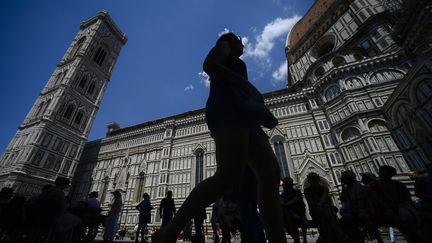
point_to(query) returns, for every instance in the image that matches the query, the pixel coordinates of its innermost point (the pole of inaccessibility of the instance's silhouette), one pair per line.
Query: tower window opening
(69, 110)
(199, 173)
(78, 118)
(91, 89)
(100, 56)
(83, 82)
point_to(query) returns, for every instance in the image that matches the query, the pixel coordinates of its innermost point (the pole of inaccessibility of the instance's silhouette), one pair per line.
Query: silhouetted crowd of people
(47, 217)
(365, 206)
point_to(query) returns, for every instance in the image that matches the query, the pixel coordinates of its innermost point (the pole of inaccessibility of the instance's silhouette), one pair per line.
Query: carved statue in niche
(108, 169)
(143, 166)
(122, 178)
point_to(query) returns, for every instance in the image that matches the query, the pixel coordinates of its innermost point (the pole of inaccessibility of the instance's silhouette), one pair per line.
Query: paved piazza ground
(237, 240)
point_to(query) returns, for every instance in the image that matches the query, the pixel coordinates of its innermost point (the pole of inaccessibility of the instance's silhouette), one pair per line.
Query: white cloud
(280, 74)
(266, 39)
(189, 87)
(204, 79)
(226, 30)
(245, 40)
(260, 45)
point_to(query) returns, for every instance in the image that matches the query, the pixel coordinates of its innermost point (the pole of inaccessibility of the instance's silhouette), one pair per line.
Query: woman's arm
(213, 64)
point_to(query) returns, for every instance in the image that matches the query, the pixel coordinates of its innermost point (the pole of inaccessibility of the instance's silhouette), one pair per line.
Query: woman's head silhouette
(235, 42)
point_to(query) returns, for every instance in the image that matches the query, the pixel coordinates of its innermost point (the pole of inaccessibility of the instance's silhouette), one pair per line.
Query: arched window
(140, 191)
(353, 83)
(69, 111)
(91, 88)
(99, 56)
(199, 169)
(385, 75)
(350, 133)
(281, 157)
(319, 72)
(38, 158)
(83, 82)
(358, 56)
(58, 164)
(323, 46)
(332, 92)
(66, 167)
(49, 163)
(338, 61)
(78, 118)
(377, 126)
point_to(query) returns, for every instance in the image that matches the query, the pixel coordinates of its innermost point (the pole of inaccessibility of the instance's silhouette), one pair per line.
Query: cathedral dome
(308, 21)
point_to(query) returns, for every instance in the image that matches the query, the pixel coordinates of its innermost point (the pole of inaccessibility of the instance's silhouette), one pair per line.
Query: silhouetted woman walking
(234, 112)
(113, 217)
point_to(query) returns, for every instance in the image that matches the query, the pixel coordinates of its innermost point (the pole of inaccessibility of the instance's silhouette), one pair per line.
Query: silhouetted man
(294, 209)
(93, 215)
(144, 208)
(167, 209)
(52, 210)
(362, 206)
(322, 211)
(398, 205)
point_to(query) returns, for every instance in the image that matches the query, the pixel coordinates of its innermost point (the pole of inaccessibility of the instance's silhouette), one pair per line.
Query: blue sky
(159, 71)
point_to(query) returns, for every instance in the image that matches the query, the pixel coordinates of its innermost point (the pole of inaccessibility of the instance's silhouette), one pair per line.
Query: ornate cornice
(364, 65)
(106, 18)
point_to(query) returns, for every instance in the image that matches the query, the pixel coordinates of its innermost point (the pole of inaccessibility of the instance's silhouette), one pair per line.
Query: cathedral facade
(50, 140)
(358, 96)
(345, 67)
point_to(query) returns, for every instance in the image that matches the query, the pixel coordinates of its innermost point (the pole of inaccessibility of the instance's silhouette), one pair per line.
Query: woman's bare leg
(265, 166)
(231, 153)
